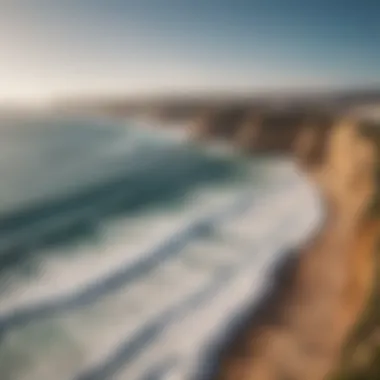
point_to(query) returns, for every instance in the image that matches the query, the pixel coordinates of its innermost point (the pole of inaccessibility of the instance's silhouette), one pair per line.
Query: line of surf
(124, 275)
(235, 299)
(148, 333)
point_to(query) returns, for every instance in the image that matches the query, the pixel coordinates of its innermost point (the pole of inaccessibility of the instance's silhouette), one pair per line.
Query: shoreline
(272, 341)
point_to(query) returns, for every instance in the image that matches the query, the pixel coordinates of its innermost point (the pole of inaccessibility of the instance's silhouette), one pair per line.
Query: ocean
(126, 251)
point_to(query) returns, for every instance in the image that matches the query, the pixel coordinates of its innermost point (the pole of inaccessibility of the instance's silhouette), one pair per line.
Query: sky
(53, 48)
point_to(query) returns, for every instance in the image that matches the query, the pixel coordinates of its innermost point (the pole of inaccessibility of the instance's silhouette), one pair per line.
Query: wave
(155, 285)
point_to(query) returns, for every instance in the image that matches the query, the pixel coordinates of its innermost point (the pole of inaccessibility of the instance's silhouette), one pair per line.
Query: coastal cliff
(299, 330)
(302, 134)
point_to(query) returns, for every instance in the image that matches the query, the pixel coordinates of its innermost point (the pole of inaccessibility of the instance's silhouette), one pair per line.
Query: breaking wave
(129, 252)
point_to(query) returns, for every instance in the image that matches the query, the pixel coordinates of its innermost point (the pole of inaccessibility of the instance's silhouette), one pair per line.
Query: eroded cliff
(299, 330)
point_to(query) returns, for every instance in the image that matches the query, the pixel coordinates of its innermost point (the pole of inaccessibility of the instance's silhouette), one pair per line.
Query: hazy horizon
(53, 49)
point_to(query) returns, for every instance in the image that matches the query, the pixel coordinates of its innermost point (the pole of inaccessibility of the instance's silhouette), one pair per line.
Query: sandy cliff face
(347, 175)
(299, 332)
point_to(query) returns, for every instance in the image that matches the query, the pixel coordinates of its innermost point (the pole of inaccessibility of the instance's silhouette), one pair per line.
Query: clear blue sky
(58, 47)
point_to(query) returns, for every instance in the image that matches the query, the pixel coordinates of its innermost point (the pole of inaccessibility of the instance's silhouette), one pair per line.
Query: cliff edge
(299, 330)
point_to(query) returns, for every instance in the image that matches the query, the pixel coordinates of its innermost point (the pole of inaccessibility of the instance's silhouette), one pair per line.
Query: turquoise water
(123, 252)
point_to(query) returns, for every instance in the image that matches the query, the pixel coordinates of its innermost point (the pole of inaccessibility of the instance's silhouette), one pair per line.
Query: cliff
(360, 355)
(298, 331)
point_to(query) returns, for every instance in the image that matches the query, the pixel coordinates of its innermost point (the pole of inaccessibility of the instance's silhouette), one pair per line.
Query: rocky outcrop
(217, 123)
(310, 144)
(268, 131)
